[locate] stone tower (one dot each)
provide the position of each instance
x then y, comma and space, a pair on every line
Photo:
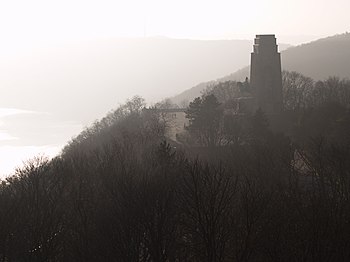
265, 74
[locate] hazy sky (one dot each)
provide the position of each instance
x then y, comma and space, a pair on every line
24, 22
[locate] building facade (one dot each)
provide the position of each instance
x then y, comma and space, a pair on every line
265, 74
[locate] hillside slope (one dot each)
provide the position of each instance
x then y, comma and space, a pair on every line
318, 59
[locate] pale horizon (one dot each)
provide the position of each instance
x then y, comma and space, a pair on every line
32, 22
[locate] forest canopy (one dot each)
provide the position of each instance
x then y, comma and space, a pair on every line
244, 190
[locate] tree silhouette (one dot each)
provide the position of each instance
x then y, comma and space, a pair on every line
205, 117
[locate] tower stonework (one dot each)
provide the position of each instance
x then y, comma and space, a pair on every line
265, 74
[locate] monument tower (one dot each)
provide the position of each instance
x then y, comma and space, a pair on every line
265, 74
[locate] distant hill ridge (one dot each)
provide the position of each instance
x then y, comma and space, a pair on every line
108, 71
318, 59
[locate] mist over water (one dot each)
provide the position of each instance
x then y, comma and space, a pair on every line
25, 134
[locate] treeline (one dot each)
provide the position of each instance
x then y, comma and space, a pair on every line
121, 192
310, 109
301, 92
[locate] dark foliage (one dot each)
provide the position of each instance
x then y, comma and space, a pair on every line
121, 192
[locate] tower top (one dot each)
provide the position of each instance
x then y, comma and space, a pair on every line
266, 36
265, 44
